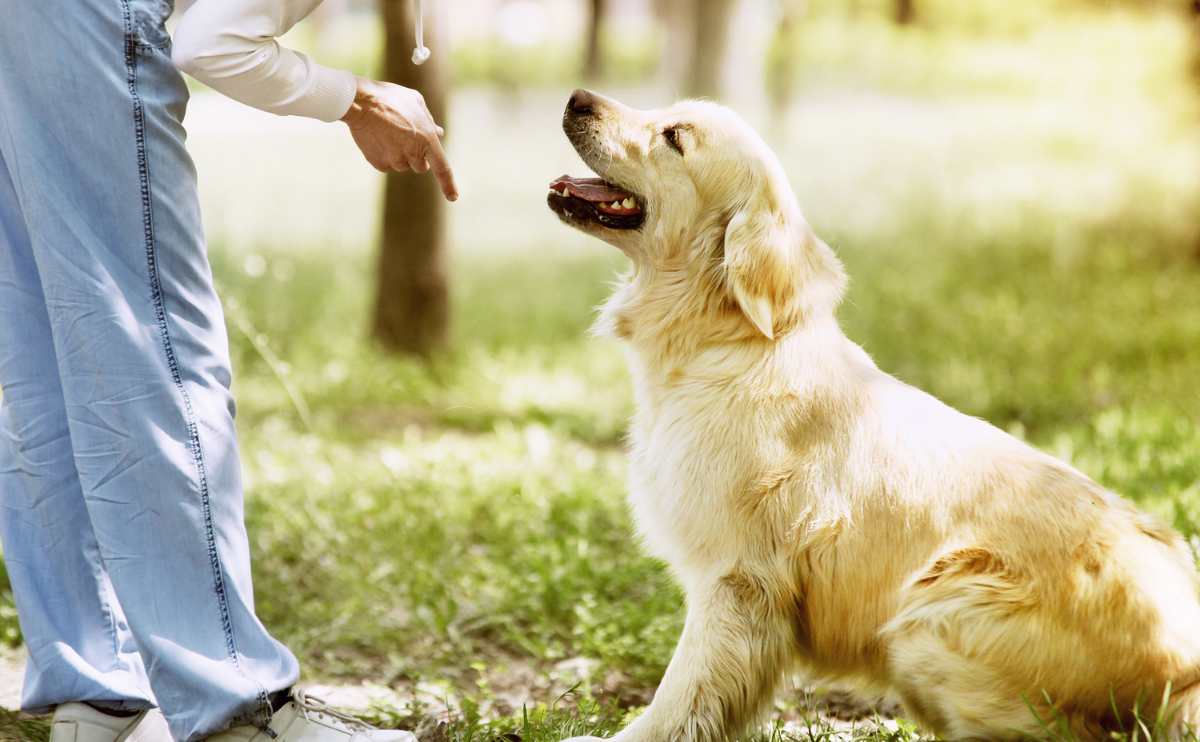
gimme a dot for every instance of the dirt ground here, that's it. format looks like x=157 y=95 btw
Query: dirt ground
x=839 y=711
x=12 y=670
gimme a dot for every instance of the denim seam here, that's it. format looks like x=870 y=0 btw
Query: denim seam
x=132 y=44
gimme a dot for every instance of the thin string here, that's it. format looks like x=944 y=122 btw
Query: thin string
x=421 y=53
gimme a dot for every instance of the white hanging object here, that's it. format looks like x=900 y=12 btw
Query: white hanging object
x=421 y=54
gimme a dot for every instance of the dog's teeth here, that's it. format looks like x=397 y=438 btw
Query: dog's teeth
x=628 y=203
x=616 y=204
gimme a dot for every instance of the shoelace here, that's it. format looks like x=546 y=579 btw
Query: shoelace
x=314 y=707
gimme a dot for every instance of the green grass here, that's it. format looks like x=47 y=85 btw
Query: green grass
x=15 y=727
x=480 y=500
x=1017 y=212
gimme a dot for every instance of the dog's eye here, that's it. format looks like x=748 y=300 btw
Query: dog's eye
x=671 y=135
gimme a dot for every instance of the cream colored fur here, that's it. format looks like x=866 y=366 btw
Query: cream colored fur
x=823 y=516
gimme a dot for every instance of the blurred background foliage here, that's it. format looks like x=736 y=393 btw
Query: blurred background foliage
x=1013 y=184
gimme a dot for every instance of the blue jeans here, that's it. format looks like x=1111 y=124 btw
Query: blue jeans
x=120 y=495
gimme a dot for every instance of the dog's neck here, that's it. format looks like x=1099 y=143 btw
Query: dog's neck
x=668 y=328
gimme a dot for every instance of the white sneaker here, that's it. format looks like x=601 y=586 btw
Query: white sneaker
x=79 y=722
x=306 y=719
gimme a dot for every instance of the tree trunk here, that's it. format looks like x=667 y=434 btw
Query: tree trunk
x=906 y=11
x=1195 y=21
x=710 y=41
x=412 y=301
x=593 y=60
x=783 y=64
x=676 y=20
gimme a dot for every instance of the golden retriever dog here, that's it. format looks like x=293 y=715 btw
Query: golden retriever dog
x=826 y=518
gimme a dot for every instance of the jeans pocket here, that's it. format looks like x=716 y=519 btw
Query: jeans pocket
x=150 y=22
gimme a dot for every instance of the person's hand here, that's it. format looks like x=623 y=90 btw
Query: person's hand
x=395 y=131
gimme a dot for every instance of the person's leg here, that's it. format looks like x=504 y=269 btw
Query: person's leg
x=80 y=648
x=90 y=123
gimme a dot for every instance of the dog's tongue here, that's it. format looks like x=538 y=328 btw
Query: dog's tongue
x=589 y=189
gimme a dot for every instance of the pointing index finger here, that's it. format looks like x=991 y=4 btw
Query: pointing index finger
x=441 y=169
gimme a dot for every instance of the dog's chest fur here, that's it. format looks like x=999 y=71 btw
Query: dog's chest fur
x=752 y=462
x=681 y=478
x=717 y=465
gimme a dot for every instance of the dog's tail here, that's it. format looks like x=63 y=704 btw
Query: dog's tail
x=1185 y=714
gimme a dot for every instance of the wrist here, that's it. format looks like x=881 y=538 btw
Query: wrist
x=364 y=101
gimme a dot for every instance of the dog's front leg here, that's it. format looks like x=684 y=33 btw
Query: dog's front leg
x=736 y=644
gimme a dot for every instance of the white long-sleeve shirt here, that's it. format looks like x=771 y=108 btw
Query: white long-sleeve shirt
x=232 y=46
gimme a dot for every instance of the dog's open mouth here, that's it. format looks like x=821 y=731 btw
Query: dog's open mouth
x=595 y=200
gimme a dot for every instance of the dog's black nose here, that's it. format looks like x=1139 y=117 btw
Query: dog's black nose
x=581 y=102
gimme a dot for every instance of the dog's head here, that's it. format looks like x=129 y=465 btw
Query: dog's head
x=700 y=204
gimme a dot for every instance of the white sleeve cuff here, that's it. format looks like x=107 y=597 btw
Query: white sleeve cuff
x=331 y=94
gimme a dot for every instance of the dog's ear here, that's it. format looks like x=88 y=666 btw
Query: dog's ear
x=760 y=267
x=776 y=269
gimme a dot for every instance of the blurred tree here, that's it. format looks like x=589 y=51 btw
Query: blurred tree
x=906 y=11
x=1196 y=66
x=783 y=58
x=412 y=301
x=1196 y=35
x=674 y=17
x=710 y=42
x=593 y=59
